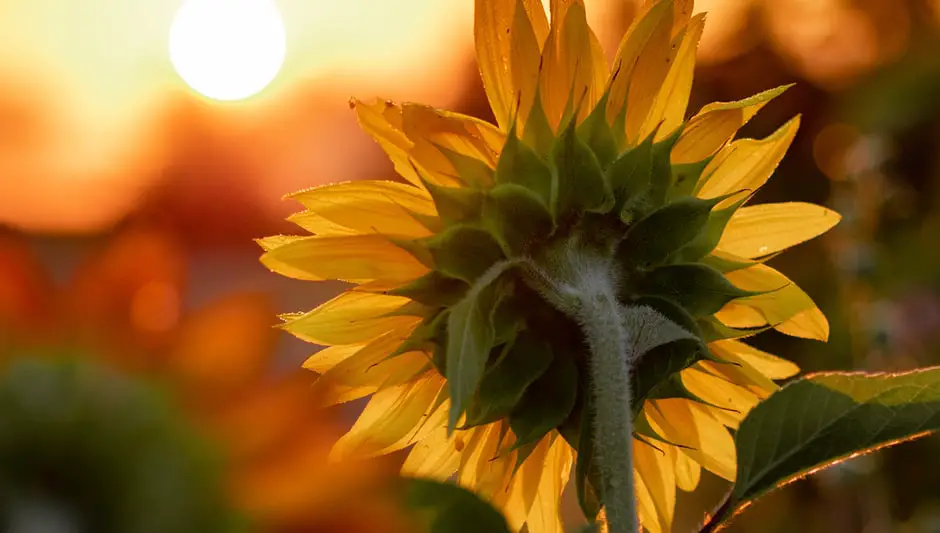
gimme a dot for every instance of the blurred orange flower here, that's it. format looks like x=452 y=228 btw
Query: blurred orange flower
x=124 y=305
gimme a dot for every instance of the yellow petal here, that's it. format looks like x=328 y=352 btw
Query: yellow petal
x=655 y=468
x=429 y=128
x=734 y=401
x=525 y=59
x=737 y=315
x=525 y=485
x=787 y=307
x=483 y=471
x=357 y=259
x=688 y=472
x=436 y=456
x=389 y=420
x=708 y=441
x=646 y=32
x=329 y=357
x=746 y=164
x=351 y=318
x=668 y=110
x=715 y=124
x=648 y=75
x=374 y=120
x=760 y=230
x=808 y=324
x=492 y=30
x=740 y=373
x=545 y=516
x=276 y=241
x=371 y=367
x=767 y=364
x=382 y=207
x=568 y=65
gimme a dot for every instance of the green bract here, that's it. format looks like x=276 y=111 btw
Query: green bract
x=501 y=328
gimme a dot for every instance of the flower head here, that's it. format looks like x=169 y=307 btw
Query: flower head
x=461 y=323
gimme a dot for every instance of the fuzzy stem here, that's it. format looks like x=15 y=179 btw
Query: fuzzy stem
x=610 y=376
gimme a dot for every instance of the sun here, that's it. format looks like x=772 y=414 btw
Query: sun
x=227 y=49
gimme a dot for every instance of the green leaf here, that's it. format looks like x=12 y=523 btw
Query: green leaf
x=503 y=384
x=520 y=165
x=819 y=420
x=581 y=185
x=456 y=204
x=547 y=402
x=447 y=508
x=464 y=252
x=699 y=289
x=470 y=337
x=667 y=229
x=517 y=216
x=433 y=289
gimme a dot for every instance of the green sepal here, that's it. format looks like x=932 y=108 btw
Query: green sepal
x=456 y=205
x=629 y=175
x=595 y=131
x=470 y=170
x=580 y=179
x=430 y=333
x=699 y=289
x=547 y=401
x=520 y=165
x=661 y=177
x=538 y=132
x=713 y=330
x=470 y=339
x=708 y=239
x=726 y=265
x=418 y=248
x=670 y=310
x=433 y=289
x=523 y=453
x=686 y=177
x=464 y=252
x=517 y=217
x=659 y=365
x=664 y=231
x=506 y=380
x=413 y=308
x=643 y=429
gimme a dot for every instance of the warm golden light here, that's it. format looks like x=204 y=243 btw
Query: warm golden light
x=227 y=49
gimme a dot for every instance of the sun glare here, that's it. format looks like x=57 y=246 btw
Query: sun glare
x=227 y=49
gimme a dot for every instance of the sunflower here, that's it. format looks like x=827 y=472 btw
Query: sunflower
x=121 y=309
x=458 y=322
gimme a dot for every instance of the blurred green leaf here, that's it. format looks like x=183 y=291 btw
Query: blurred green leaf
x=448 y=508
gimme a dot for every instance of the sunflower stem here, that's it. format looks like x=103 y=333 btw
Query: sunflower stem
x=607 y=338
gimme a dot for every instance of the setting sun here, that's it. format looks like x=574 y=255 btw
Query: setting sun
x=227 y=49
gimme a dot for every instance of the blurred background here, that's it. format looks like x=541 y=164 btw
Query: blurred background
x=132 y=185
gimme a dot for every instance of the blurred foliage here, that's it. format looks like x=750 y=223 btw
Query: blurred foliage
x=83 y=448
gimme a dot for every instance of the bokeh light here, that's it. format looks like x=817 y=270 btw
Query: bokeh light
x=228 y=49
